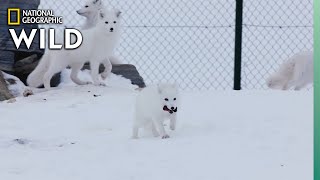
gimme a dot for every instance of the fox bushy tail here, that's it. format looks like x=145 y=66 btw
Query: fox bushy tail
x=35 y=79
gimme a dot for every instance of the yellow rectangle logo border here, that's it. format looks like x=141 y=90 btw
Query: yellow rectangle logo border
x=18 y=16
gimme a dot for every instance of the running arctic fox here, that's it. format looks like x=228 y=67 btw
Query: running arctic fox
x=98 y=44
x=154 y=104
x=91 y=11
x=296 y=72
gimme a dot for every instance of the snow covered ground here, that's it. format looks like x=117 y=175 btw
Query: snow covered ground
x=83 y=132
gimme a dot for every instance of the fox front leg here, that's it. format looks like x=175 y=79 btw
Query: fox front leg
x=173 y=120
x=94 y=74
x=286 y=86
x=300 y=86
x=160 y=128
x=135 y=131
x=107 y=68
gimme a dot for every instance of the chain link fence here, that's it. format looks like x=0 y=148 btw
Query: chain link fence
x=191 y=42
x=273 y=31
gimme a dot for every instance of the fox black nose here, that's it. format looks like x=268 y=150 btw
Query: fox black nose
x=111 y=29
x=172 y=108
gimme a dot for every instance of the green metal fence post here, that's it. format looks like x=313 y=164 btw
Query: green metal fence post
x=237 y=47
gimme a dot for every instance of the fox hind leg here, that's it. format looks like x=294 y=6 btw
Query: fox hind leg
x=52 y=70
x=94 y=74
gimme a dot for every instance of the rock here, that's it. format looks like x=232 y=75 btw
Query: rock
x=24 y=63
x=6 y=60
x=4 y=91
x=127 y=71
x=25 y=66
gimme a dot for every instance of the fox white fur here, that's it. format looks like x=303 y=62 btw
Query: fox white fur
x=296 y=72
x=98 y=44
x=149 y=110
x=90 y=11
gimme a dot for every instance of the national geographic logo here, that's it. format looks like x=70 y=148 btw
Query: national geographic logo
x=16 y=16
x=32 y=16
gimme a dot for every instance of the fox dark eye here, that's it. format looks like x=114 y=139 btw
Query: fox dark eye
x=114 y=21
x=107 y=22
x=86 y=6
x=166 y=99
x=174 y=99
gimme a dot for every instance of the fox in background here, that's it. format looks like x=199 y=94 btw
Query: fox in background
x=97 y=48
x=296 y=72
x=90 y=11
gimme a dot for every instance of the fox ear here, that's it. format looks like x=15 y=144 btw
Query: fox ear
x=97 y=2
x=118 y=13
x=101 y=14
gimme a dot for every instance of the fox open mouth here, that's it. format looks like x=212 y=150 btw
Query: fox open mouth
x=81 y=13
x=172 y=110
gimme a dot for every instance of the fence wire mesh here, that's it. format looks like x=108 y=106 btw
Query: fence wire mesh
x=191 y=42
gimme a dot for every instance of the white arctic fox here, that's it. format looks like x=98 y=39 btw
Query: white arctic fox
x=296 y=72
x=98 y=44
x=91 y=11
x=154 y=104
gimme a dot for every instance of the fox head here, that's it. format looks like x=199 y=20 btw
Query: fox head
x=90 y=8
x=110 y=20
x=169 y=97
